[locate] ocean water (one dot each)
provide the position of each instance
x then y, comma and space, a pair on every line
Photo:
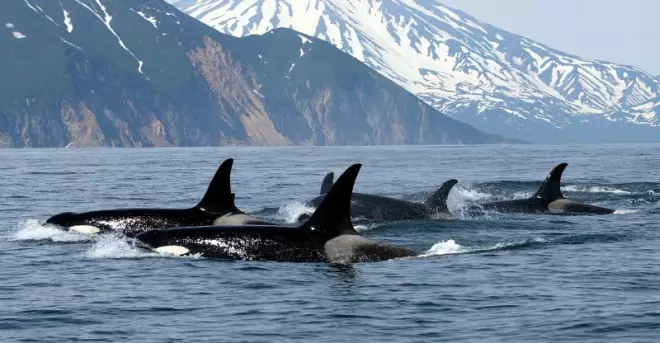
488, 277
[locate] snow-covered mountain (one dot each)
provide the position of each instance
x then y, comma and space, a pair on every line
495, 80
141, 73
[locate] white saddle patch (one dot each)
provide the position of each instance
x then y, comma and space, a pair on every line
342, 249
235, 219
85, 229
172, 250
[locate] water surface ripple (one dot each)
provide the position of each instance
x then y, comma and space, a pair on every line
488, 277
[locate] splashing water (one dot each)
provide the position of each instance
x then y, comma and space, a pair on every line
34, 230
116, 246
444, 248
292, 210
364, 227
522, 195
469, 194
462, 198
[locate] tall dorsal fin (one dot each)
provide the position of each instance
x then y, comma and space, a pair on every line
438, 200
332, 217
327, 183
550, 189
218, 197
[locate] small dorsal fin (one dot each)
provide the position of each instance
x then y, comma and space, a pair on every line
332, 217
550, 189
438, 200
327, 182
218, 197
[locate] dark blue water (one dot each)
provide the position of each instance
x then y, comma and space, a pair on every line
487, 278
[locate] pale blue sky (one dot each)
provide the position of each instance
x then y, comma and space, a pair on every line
623, 31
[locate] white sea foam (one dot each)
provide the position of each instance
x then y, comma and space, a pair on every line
292, 210
364, 227
522, 195
451, 247
625, 211
444, 248
469, 194
595, 189
35, 230
122, 223
461, 198
116, 246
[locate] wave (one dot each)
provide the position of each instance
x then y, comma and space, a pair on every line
471, 194
447, 247
116, 246
450, 247
35, 230
626, 211
595, 189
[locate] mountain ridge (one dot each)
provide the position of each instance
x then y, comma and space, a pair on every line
141, 73
493, 79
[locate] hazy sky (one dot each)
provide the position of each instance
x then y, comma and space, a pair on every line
623, 31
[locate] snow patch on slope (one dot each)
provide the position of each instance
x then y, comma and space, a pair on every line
70, 44
30, 6
149, 18
15, 33
451, 60
67, 21
106, 20
18, 35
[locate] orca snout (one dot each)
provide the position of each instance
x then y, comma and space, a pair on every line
65, 219
151, 238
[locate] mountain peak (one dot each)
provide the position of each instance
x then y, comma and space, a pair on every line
498, 81
141, 73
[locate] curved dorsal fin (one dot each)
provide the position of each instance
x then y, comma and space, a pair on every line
327, 183
332, 217
438, 200
218, 197
550, 189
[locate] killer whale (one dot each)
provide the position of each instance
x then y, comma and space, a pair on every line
372, 207
328, 236
548, 199
216, 207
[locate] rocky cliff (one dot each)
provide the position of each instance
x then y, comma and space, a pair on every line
495, 80
141, 73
